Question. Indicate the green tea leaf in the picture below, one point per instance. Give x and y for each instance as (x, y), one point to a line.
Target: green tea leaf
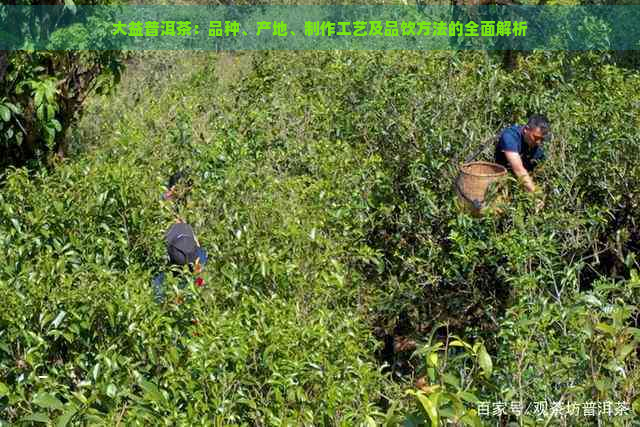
(370, 422)
(625, 350)
(433, 359)
(459, 343)
(4, 390)
(607, 329)
(38, 98)
(64, 419)
(429, 408)
(111, 390)
(592, 300)
(152, 392)
(472, 419)
(48, 401)
(451, 379)
(5, 113)
(485, 361)
(56, 322)
(38, 417)
(468, 397)
(455, 401)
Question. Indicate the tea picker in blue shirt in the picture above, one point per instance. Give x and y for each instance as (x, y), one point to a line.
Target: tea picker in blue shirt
(519, 148)
(183, 249)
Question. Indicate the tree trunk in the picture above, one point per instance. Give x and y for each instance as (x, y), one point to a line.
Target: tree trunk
(4, 64)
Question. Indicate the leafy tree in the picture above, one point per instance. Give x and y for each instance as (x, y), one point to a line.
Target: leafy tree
(42, 93)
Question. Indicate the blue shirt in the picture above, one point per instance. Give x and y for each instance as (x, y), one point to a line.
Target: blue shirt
(512, 139)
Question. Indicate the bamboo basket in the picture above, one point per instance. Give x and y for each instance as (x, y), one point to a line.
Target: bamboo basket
(473, 181)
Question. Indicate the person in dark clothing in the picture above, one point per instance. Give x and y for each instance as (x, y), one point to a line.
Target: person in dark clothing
(173, 190)
(519, 148)
(183, 249)
(183, 246)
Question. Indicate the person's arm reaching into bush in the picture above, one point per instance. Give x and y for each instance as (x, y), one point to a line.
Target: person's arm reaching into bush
(519, 170)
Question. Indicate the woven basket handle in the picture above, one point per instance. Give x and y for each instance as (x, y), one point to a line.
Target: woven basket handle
(483, 147)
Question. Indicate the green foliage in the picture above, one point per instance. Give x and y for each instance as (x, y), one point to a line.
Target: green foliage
(272, 338)
(448, 390)
(43, 92)
(427, 262)
(323, 193)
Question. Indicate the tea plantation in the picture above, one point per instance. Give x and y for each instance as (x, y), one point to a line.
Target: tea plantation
(344, 285)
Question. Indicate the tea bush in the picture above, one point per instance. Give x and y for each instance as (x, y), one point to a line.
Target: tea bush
(267, 340)
(420, 115)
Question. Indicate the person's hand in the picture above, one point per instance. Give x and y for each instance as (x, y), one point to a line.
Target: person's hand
(168, 195)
